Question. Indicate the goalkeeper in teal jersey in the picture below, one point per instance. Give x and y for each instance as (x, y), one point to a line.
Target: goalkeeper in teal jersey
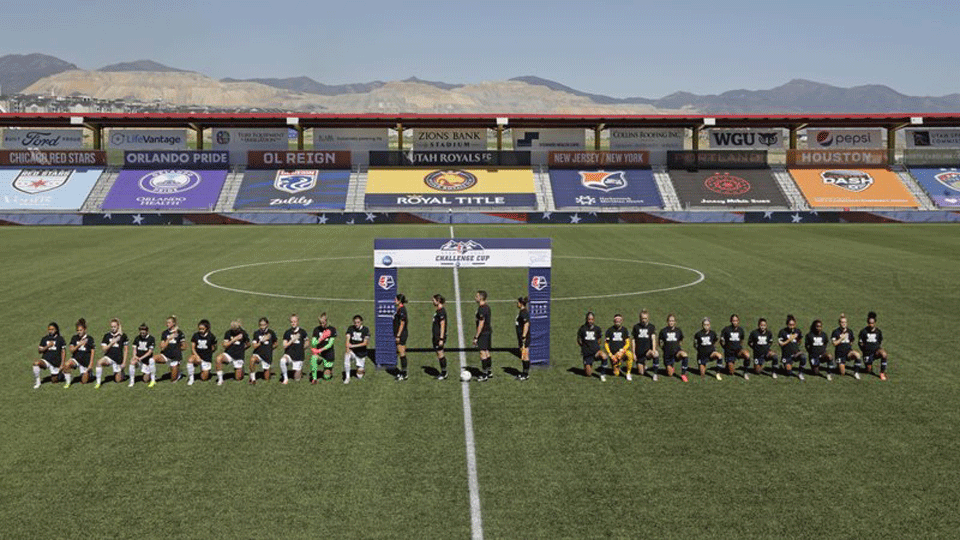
(321, 345)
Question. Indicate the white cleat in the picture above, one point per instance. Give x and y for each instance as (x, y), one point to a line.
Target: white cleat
(190, 381)
(629, 377)
(774, 375)
(856, 375)
(346, 380)
(718, 377)
(829, 377)
(800, 375)
(746, 376)
(220, 382)
(130, 384)
(36, 385)
(603, 378)
(654, 377)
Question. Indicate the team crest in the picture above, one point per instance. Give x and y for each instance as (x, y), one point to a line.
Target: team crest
(169, 182)
(539, 283)
(33, 181)
(855, 181)
(294, 182)
(602, 180)
(451, 180)
(951, 179)
(727, 184)
(386, 282)
(768, 139)
(461, 247)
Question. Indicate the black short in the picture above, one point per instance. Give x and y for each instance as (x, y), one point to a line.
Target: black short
(869, 357)
(83, 362)
(588, 359)
(669, 359)
(523, 343)
(483, 342)
(403, 339)
(437, 346)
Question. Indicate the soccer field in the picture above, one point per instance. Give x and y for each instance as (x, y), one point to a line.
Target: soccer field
(558, 456)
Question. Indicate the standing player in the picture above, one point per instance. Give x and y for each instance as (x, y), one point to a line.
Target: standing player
(53, 353)
(523, 336)
(400, 334)
(842, 339)
(114, 345)
(235, 342)
(617, 344)
(671, 341)
(81, 352)
(358, 338)
(294, 342)
(439, 333)
(264, 342)
(789, 339)
(589, 337)
(202, 345)
(645, 344)
(870, 341)
(761, 340)
(732, 338)
(322, 347)
(706, 343)
(172, 343)
(484, 336)
(142, 355)
(816, 345)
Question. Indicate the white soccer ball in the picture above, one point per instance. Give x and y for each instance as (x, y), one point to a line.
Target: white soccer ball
(465, 376)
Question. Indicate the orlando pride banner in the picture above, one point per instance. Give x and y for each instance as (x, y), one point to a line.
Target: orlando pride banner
(589, 189)
(294, 189)
(183, 159)
(737, 188)
(180, 189)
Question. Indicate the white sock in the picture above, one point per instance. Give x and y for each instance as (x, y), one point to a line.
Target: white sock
(219, 376)
(68, 376)
(36, 373)
(191, 369)
(360, 363)
(153, 371)
(346, 365)
(283, 368)
(99, 374)
(133, 371)
(253, 375)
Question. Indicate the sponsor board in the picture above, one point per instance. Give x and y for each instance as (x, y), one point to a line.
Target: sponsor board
(576, 160)
(449, 139)
(820, 158)
(745, 138)
(852, 187)
(52, 158)
(736, 188)
(451, 158)
(540, 141)
(467, 252)
(186, 159)
(655, 141)
(598, 189)
(293, 189)
(315, 159)
(42, 139)
(46, 189)
(359, 141)
(943, 157)
(165, 189)
(942, 184)
(721, 159)
(932, 138)
(464, 188)
(147, 139)
(845, 138)
(239, 141)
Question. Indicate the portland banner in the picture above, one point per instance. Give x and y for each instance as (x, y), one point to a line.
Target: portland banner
(606, 188)
(46, 189)
(853, 188)
(718, 188)
(305, 189)
(166, 189)
(942, 184)
(486, 189)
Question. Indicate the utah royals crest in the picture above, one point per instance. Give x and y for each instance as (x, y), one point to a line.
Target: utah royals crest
(294, 182)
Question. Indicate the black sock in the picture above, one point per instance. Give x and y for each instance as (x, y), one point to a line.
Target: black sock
(443, 364)
(403, 364)
(487, 363)
(526, 367)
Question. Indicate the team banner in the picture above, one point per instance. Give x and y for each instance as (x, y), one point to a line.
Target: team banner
(42, 139)
(541, 141)
(538, 292)
(745, 138)
(52, 158)
(451, 158)
(185, 159)
(384, 293)
(848, 188)
(314, 159)
(239, 141)
(46, 189)
(165, 189)
(359, 141)
(721, 159)
(932, 138)
(577, 160)
(820, 158)
(293, 189)
(599, 189)
(845, 138)
(450, 139)
(943, 185)
(460, 188)
(945, 157)
(148, 139)
(462, 252)
(714, 188)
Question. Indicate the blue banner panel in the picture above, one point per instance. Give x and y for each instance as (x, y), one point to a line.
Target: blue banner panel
(176, 159)
(599, 189)
(165, 190)
(943, 185)
(538, 291)
(293, 190)
(384, 293)
(46, 189)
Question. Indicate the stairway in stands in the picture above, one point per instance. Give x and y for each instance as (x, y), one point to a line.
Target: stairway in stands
(541, 184)
(924, 200)
(356, 189)
(99, 192)
(671, 203)
(231, 187)
(789, 188)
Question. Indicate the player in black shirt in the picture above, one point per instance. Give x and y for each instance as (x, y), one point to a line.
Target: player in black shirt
(439, 333)
(617, 344)
(141, 354)
(172, 343)
(589, 338)
(870, 342)
(523, 336)
(400, 334)
(235, 342)
(81, 352)
(52, 351)
(114, 345)
(294, 343)
(645, 344)
(324, 338)
(264, 342)
(789, 339)
(202, 345)
(843, 338)
(358, 338)
(733, 338)
(761, 340)
(484, 336)
(816, 345)
(706, 343)
(671, 342)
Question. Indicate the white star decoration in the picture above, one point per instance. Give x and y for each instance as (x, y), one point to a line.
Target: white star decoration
(768, 215)
(138, 219)
(371, 217)
(546, 215)
(108, 216)
(575, 218)
(322, 220)
(796, 218)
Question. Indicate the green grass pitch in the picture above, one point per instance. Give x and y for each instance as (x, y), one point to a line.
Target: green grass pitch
(558, 456)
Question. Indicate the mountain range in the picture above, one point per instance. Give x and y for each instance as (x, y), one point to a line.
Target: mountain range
(147, 80)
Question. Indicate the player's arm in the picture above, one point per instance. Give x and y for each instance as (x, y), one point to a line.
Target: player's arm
(63, 355)
(785, 341)
(183, 343)
(329, 344)
(606, 346)
(837, 340)
(273, 339)
(526, 329)
(480, 327)
(105, 345)
(443, 329)
(247, 343)
(403, 325)
(626, 346)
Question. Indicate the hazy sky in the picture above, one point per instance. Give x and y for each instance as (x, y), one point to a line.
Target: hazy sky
(622, 49)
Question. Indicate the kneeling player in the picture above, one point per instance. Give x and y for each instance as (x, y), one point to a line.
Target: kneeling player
(671, 342)
(264, 342)
(235, 342)
(358, 338)
(523, 337)
(202, 344)
(114, 345)
(81, 352)
(816, 345)
(588, 338)
(142, 356)
(870, 341)
(645, 344)
(294, 343)
(761, 340)
(172, 343)
(789, 340)
(842, 338)
(706, 343)
(732, 338)
(617, 344)
(52, 354)
(322, 348)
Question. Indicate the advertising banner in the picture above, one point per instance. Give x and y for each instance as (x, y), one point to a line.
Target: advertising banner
(845, 138)
(43, 139)
(850, 188)
(462, 252)
(293, 189)
(944, 157)
(655, 141)
(541, 141)
(741, 188)
(239, 141)
(186, 159)
(459, 188)
(599, 189)
(46, 189)
(359, 141)
(449, 139)
(576, 160)
(720, 159)
(745, 138)
(943, 185)
(323, 159)
(932, 138)
(52, 158)
(148, 139)
(166, 189)
(452, 158)
(539, 283)
(820, 158)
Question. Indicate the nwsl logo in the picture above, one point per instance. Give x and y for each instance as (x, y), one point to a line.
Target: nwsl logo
(386, 282)
(294, 182)
(539, 283)
(602, 180)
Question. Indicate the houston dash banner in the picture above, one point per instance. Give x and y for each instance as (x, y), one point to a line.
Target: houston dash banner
(293, 189)
(820, 158)
(739, 188)
(167, 189)
(943, 185)
(850, 188)
(46, 189)
(450, 188)
(599, 189)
